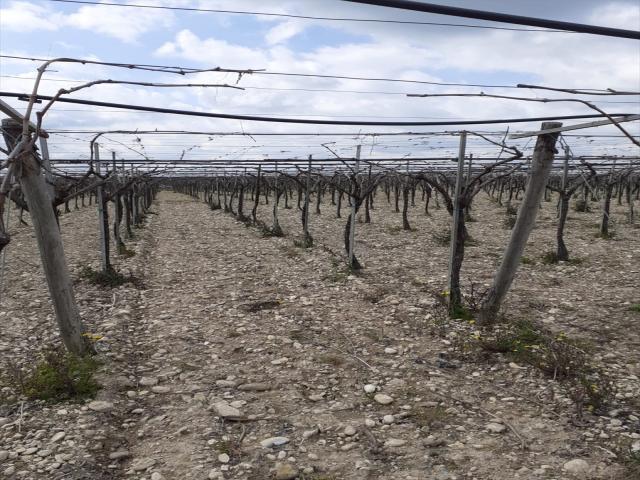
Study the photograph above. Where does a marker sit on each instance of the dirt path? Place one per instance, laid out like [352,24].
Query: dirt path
[244,357]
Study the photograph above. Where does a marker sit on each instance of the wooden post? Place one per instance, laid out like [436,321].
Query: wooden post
[456,211]
[49,240]
[306,201]
[352,225]
[538,176]
[103,220]
[117,213]
[48,175]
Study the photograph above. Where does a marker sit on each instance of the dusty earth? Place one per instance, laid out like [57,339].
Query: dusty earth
[243,357]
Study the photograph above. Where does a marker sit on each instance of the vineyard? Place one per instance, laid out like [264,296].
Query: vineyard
[319,299]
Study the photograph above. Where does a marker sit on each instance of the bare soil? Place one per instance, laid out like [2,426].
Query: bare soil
[289,338]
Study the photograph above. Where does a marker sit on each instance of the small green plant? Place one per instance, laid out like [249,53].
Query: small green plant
[460,312]
[557,356]
[111,278]
[511,210]
[550,258]
[426,416]
[304,242]
[581,206]
[610,235]
[509,221]
[58,376]
[635,308]
[527,261]
[442,237]
[124,251]
[331,359]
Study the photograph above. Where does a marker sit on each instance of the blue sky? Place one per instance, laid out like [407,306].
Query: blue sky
[431,53]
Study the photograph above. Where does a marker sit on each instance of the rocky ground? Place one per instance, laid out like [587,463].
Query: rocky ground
[238,356]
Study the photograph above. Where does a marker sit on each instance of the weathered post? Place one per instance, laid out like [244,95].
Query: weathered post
[48,175]
[454,302]
[49,241]
[354,201]
[538,175]
[307,237]
[103,219]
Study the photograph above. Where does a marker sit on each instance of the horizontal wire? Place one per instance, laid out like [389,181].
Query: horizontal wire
[305,17]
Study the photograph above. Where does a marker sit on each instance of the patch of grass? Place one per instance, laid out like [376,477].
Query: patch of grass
[635,308]
[376,294]
[581,206]
[290,251]
[57,376]
[331,359]
[610,235]
[125,252]
[393,229]
[527,261]
[111,278]
[460,312]
[442,237]
[304,242]
[375,334]
[557,356]
[509,221]
[425,416]
[550,258]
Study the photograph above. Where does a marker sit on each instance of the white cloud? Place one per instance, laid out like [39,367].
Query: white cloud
[119,23]
[618,15]
[28,17]
[283,32]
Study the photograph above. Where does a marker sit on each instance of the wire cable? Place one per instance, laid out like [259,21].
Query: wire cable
[304,17]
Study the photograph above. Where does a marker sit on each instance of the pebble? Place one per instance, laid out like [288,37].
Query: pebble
[383,399]
[577,466]
[160,389]
[118,455]
[57,437]
[285,471]
[369,388]
[349,431]
[388,419]
[100,406]
[223,458]
[394,442]
[142,464]
[148,381]
[224,410]
[390,351]
[495,427]
[254,387]
[274,442]
[156,476]
[3,455]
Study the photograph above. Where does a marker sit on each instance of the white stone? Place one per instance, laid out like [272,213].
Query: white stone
[224,410]
[100,406]
[223,458]
[495,427]
[274,442]
[57,437]
[394,442]
[388,419]
[577,466]
[383,399]
[369,388]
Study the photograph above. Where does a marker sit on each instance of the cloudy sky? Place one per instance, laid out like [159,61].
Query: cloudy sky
[428,53]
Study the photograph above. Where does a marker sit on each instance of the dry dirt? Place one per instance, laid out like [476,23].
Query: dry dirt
[232,339]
